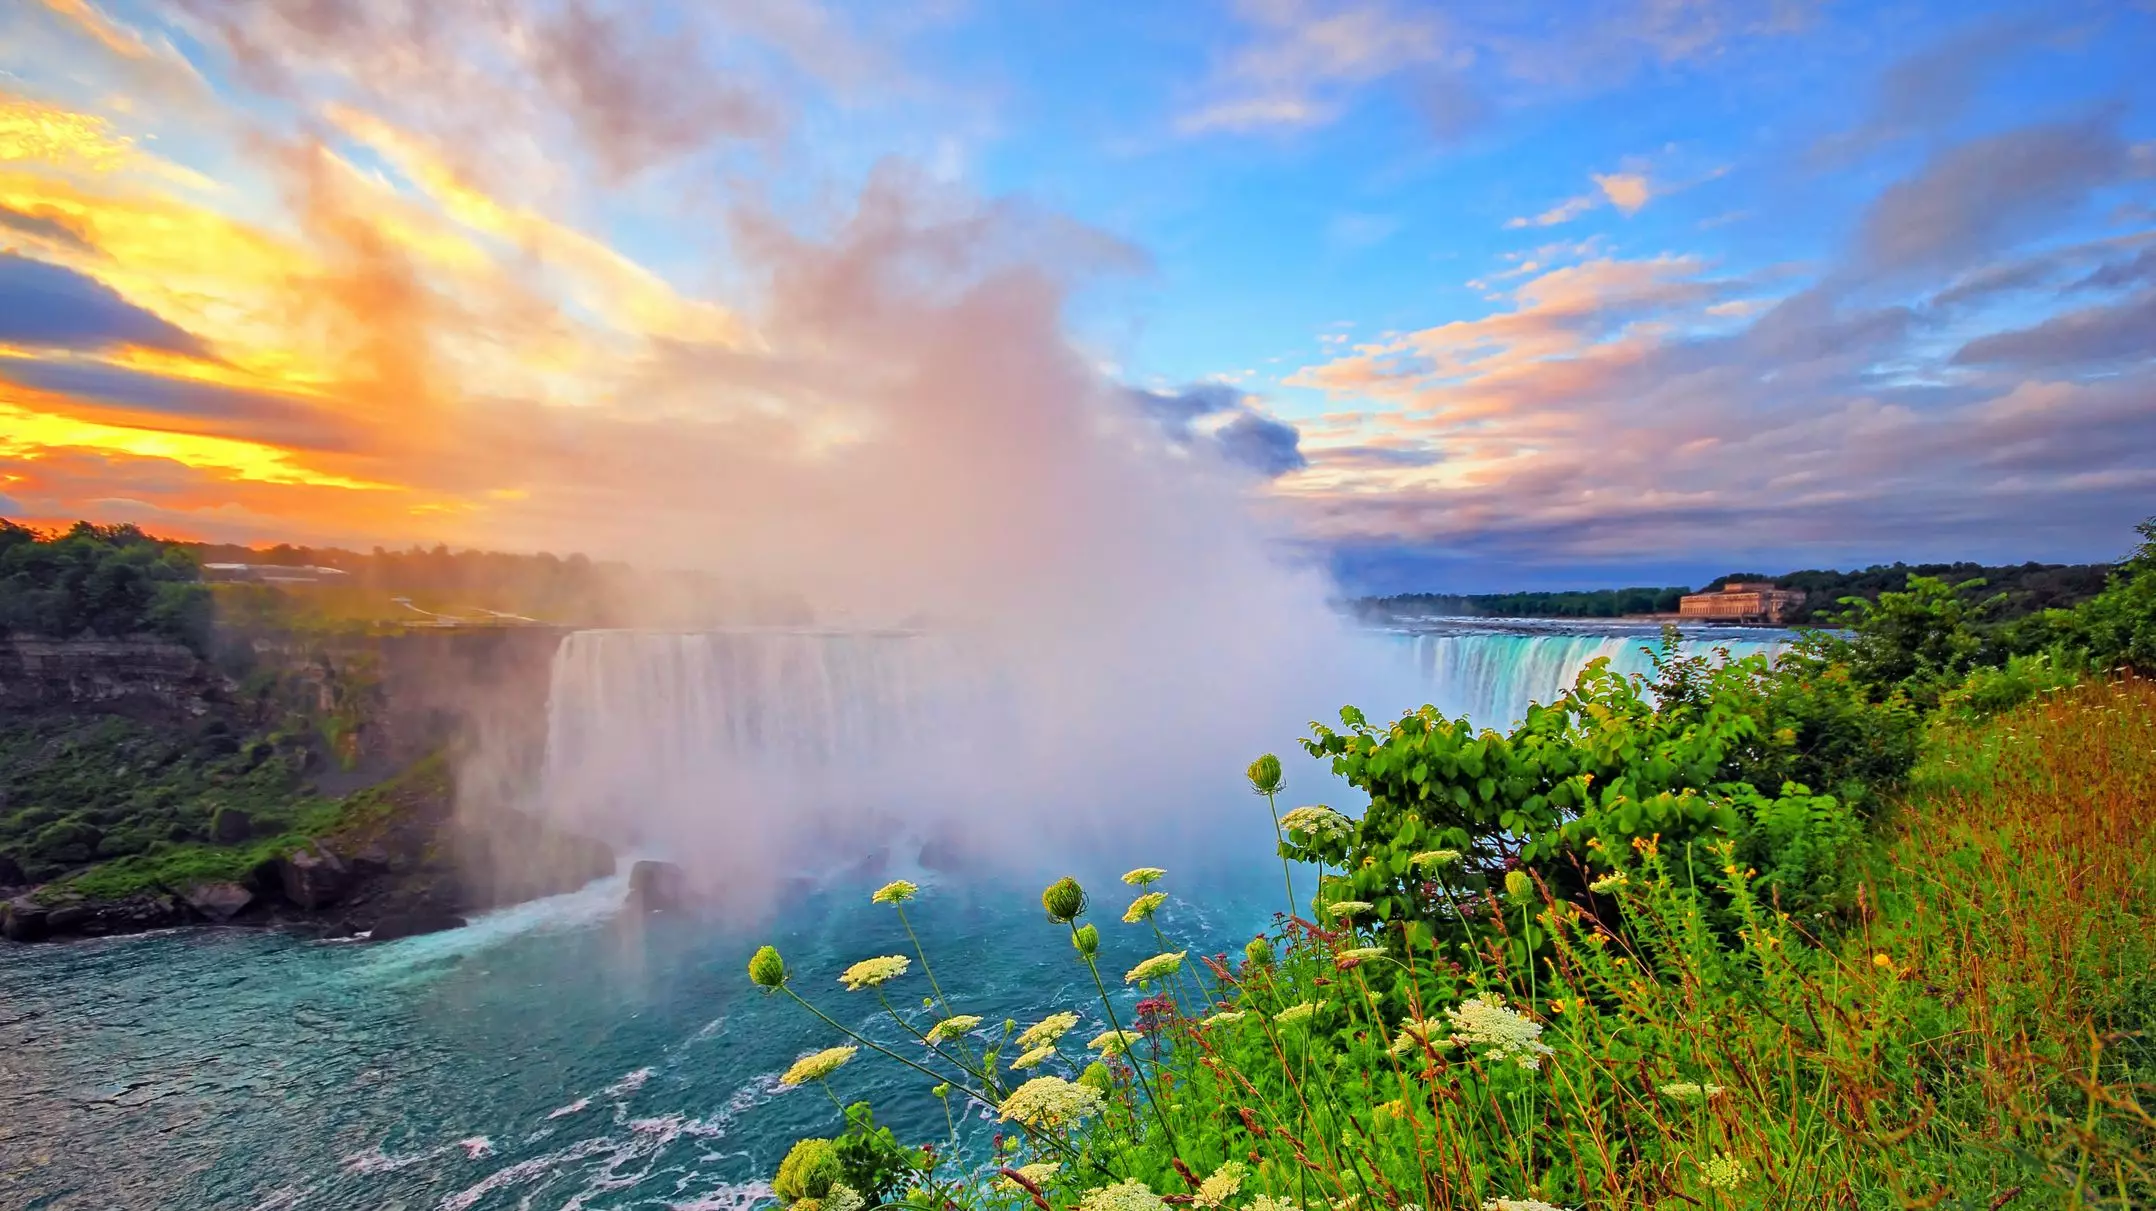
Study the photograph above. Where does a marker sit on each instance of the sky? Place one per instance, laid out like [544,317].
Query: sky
[1461,297]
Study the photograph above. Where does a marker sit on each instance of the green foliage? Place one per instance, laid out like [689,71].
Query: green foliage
[1590,603]
[870,1159]
[100,580]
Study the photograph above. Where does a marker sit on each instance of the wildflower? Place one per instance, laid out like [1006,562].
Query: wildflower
[1320,822]
[874,973]
[1881,960]
[1345,910]
[1518,1204]
[1224,1017]
[1112,1042]
[1395,1108]
[843,1198]
[1297,1013]
[1723,1171]
[1215,1191]
[1144,876]
[1097,1078]
[1038,1173]
[809,1171]
[1130,1194]
[817,1067]
[1264,775]
[1418,1033]
[1086,940]
[1064,900]
[1356,957]
[1609,883]
[1486,1022]
[1143,908]
[1156,967]
[1266,1202]
[1686,1091]
[1039,1055]
[766,968]
[953,1027]
[1258,952]
[1518,885]
[1434,857]
[898,891]
[1050,1101]
[1048,1029]
[940,1091]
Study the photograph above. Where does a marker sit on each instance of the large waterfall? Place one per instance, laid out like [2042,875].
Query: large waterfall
[1491,676]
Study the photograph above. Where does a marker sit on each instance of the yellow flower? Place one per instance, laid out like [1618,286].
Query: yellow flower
[898,891]
[1156,967]
[1215,1191]
[1144,876]
[873,973]
[818,1066]
[1049,1101]
[1143,908]
[1048,1029]
[951,1028]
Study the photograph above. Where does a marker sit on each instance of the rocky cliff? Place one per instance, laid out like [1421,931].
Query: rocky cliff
[143,677]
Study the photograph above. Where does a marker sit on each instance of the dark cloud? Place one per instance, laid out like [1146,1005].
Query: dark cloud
[226,411]
[2092,336]
[55,307]
[1248,439]
[1983,195]
[44,225]
[2119,275]
[1267,446]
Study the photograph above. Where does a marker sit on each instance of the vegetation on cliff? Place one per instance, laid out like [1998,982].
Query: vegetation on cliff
[1869,925]
[97,580]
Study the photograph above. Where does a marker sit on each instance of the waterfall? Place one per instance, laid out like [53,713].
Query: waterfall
[1491,677]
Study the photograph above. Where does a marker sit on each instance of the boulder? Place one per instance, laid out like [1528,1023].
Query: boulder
[657,887]
[415,922]
[218,901]
[67,918]
[313,877]
[23,920]
[230,826]
[11,874]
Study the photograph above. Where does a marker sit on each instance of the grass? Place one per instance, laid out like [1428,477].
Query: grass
[1971,1031]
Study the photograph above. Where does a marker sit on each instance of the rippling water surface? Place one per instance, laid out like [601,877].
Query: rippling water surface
[547,1056]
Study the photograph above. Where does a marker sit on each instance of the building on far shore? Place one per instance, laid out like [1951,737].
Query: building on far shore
[1742,601]
[274,573]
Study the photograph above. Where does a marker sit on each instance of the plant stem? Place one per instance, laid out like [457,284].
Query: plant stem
[1146,1087]
[922,953]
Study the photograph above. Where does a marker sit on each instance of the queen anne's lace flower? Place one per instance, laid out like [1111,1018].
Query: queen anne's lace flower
[1434,857]
[1143,908]
[1320,823]
[1266,1202]
[1415,1033]
[1519,1204]
[1130,1194]
[952,1027]
[1038,1173]
[871,973]
[897,891]
[1048,1029]
[1112,1042]
[1357,956]
[818,1066]
[1686,1091]
[1297,1013]
[1347,910]
[1037,1056]
[1144,876]
[1049,1101]
[1224,1017]
[1485,1022]
[843,1198]
[1156,967]
[1723,1171]
[1609,883]
[1215,1191]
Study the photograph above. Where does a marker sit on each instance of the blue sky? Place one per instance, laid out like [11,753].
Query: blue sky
[1479,296]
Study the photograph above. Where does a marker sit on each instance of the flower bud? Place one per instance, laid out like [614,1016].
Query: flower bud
[1264,775]
[1064,900]
[941,1091]
[767,968]
[1519,886]
[1097,1078]
[1259,953]
[1087,940]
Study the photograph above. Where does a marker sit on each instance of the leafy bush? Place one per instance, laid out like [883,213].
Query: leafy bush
[101,580]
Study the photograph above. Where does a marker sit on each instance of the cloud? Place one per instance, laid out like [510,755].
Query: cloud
[1218,418]
[1627,191]
[48,224]
[216,407]
[1265,445]
[1563,212]
[1928,90]
[1305,57]
[2087,339]
[1982,195]
[48,305]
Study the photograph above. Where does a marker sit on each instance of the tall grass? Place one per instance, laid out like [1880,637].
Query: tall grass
[1972,1031]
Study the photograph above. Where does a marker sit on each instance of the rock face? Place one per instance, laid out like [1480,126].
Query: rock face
[23,920]
[313,878]
[137,675]
[412,924]
[657,887]
[11,872]
[218,901]
[230,826]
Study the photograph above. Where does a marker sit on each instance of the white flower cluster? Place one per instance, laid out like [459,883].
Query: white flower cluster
[818,1066]
[1485,1022]
[951,1028]
[1130,1194]
[1048,1030]
[872,973]
[1049,1101]
[1320,822]
[1215,1191]
[1156,967]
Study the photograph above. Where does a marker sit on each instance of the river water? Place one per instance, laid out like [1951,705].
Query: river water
[555,1055]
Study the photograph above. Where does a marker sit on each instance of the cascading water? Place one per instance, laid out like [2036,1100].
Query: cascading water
[1491,677]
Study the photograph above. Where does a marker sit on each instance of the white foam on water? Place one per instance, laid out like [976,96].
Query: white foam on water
[571,1108]
[734,1197]
[628,1084]
[420,957]
[476,1147]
